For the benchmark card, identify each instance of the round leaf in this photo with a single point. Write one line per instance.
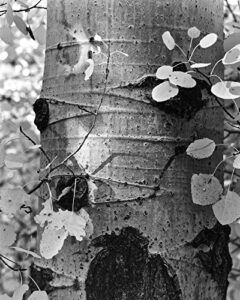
(232, 56)
(208, 40)
(202, 148)
(182, 79)
(227, 210)
(38, 295)
(193, 32)
(225, 89)
(164, 72)
(52, 241)
(164, 91)
(206, 189)
(168, 40)
(200, 65)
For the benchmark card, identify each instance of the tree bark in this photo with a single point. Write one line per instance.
(148, 237)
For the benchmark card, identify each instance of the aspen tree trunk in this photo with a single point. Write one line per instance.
(144, 219)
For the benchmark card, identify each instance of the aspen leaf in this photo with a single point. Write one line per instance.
(227, 210)
(38, 295)
(232, 56)
(89, 71)
(164, 91)
(236, 162)
(222, 89)
(9, 14)
(7, 236)
(200, 65)
(6, 35)
(182, 79)
(52, 241)
(193, 32)
(75, 225)
(20, 24)
(208, 40)
(12, 199)
(19, 292)
(202, 148)
(40, 34)
(164, 72)
(26, 251)
(206, 189)
(231, 41)
(168, 40)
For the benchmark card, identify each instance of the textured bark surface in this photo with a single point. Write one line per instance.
(145, 223)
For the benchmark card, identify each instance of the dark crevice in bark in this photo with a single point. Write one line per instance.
(69, 189)
(41, 110)
(217, 260)
(43, 277)
(125, 270)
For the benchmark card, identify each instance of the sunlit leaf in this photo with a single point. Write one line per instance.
(89, 71)
(232, 56)
(38, 295)
(225, 89)
(6, 35)
(208, 40)
(201, 148)
(168, 40)
(206, 189)
(9, 14)
(52, 242)
(20, 24)
(164, 91)
(12, 199)
(182, 79)
(193, 32)
(75, 225)
(236, 162)
(164, 72)
(7, 236)
(227, 210)
(200, 65)
(26, 251)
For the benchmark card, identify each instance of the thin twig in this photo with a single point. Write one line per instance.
(2, 258)
(94, 121)
(34, 143)
(231, 11)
